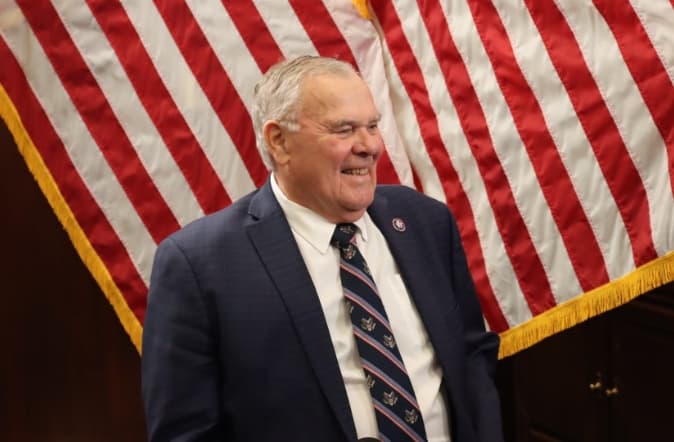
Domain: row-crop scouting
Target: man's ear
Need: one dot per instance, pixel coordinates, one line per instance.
(275, 136)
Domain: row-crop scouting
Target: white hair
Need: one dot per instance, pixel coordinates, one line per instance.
(277, 95)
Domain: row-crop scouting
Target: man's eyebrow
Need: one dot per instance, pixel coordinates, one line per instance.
(339, 123)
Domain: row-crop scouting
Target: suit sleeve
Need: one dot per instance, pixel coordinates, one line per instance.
(180, 379)
(481, 349)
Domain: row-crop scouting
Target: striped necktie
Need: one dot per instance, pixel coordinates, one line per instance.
(396, 408)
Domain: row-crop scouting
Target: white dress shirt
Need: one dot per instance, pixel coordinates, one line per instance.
(312, 233)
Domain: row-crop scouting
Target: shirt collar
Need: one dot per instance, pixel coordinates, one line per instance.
(311, 226)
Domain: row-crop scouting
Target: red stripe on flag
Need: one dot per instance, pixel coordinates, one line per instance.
(254, 32)
(386, 173)
(575, 229)
(159, 104)
(329, 41)
(616, 164)
(99, 117)
(215, 83)
(417, 181)
(322, 30)
(646, 67)
(413, 81)
(88, 214)
(518, 242)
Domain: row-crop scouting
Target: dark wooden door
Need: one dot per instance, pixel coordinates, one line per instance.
(642, 367)
(68, 371)
(606, 380)
(557, 387)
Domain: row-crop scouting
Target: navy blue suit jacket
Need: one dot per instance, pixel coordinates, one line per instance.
(235, 344)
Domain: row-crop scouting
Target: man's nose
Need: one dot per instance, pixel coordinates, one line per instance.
(367, 141)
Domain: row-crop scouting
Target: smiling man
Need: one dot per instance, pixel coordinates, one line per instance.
(321, 306)
(326, 158)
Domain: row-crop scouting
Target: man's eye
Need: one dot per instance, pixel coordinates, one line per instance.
(344, 130)
(373, 127)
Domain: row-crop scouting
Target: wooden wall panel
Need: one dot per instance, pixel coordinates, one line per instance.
(68, 371)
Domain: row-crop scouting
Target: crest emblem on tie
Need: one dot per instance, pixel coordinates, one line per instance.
(367, 324)
(390, 399)
(369, 380)
(389, 341)
(349, 306)
(348, 252)
(411, 416)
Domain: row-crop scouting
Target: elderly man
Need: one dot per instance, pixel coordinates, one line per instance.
(320, 307)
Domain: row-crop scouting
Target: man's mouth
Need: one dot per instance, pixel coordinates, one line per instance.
(361, 171)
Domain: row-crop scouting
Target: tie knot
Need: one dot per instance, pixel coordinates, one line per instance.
(343, 235)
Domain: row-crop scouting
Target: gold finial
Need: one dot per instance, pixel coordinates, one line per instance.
(362, 8)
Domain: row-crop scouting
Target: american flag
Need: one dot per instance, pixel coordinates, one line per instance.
(546, 126)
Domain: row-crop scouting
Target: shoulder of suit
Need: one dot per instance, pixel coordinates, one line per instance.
(228, 220)
(414, 206)
(403, 194)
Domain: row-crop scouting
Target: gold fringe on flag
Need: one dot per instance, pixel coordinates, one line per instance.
(583, 307)
(82, 245)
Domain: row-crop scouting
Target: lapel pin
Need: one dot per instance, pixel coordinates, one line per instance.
(399, 224)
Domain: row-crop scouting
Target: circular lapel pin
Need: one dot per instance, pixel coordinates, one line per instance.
(399, 224)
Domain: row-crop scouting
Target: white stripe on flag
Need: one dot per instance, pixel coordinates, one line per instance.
(86, 157)
(139, 128)
(513, 156)
(228, 45)
(628, 110)
(410, 133)
(573, 146)
(497, 261)
(190, 98)
(658, 18)
(285, 28)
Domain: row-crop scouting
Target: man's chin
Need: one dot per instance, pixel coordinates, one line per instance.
(357, 209)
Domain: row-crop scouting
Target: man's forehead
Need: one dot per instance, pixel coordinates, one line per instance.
(329, 86)
(334, 100)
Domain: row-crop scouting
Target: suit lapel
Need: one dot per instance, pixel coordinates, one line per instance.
(274, 242)
(430, 291)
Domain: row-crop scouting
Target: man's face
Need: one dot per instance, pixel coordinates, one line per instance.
(329, 165)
